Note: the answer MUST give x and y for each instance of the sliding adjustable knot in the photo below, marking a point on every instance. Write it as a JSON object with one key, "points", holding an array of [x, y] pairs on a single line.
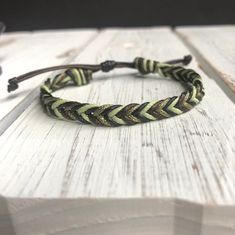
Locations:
{"points": [[108, 65], [146, 66], [74, 76], [77, 77]]}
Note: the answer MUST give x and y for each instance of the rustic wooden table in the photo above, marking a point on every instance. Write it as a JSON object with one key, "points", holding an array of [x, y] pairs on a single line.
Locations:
{"points": [[175, 176]]}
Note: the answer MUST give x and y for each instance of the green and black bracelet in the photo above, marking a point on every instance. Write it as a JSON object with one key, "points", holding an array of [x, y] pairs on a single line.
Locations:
{"points": [[117, 115]]}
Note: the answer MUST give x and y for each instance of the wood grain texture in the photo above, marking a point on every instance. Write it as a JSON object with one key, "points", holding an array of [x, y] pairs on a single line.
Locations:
{"points": [[23, 52], [175, 176], [216, 45]]}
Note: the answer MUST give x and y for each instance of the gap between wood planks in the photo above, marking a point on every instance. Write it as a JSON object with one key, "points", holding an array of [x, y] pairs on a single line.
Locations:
{"points": [[205, 65], [19, 109]]}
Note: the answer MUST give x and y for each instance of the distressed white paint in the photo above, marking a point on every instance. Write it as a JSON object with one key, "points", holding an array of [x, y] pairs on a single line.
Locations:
{"points": [[58, 177], [25, 52], [216, 46]]}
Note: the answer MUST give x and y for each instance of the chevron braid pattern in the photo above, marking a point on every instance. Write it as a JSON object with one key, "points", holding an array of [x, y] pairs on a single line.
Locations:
{"points": [[118, 115]]}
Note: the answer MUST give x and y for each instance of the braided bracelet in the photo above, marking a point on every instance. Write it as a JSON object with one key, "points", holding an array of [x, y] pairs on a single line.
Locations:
{"points": [[116, 115]]}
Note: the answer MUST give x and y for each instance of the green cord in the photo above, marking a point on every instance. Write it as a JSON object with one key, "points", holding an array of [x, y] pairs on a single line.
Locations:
{"points": [[118, 115]]}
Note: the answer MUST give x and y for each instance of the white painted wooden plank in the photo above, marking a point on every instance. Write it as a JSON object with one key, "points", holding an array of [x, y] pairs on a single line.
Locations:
{"points": [[8, 40], [132, 161], [115, 216], [185, 158], [216, 45], [38, 49]]}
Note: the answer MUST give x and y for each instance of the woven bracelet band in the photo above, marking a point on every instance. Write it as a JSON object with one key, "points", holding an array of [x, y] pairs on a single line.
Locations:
{"points": [[117, 115]]}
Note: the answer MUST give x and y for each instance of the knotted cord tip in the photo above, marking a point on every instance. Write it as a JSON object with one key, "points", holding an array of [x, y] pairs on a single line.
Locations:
{"points": [[187, 59], [12, 84]]}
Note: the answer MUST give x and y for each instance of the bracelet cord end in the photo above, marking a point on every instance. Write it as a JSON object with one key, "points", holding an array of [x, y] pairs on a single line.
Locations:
{"points": [[187, 59], [12, 84]]}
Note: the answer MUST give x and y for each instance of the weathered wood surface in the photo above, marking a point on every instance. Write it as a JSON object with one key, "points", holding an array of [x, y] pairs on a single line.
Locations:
{"points": [[216, 46], [63, 178], [23, 52]]}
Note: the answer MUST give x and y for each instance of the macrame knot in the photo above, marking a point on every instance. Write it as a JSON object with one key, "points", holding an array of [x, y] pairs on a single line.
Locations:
{"points": [[146, 66], [108, 65], [78, 77], [73, 76]]}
